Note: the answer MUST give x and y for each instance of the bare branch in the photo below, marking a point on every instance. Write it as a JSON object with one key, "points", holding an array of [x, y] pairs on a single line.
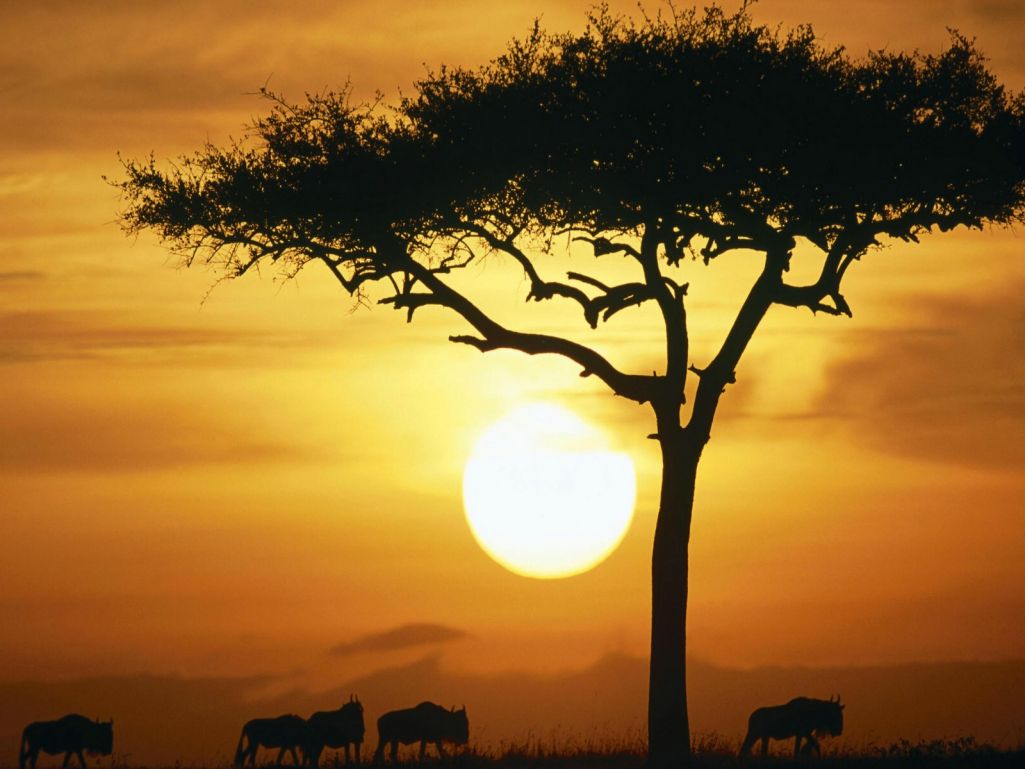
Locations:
{"points": [[712, 379], [493, 336], [603, 246], [540, 289], [670, 299], [846, 248]]}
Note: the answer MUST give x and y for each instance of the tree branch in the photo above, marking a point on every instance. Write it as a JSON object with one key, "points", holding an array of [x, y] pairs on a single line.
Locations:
{"points": [[603, 246], [540, 289], [613, 298], [670, 299], [847, 247], [493, 336], [713, 379]]}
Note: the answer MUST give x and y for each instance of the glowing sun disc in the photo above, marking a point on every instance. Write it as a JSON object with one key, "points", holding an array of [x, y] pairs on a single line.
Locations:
{"points": [[544, 496]]}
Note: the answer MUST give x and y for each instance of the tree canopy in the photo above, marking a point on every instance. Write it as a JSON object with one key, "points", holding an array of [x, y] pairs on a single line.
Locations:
{"points": [[702, 130]]}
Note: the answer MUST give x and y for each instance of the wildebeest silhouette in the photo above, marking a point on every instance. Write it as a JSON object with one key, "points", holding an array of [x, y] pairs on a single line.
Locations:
{"points": [[801, 718], [335, 729], [425, 723], [284, 732], [71, 734]]}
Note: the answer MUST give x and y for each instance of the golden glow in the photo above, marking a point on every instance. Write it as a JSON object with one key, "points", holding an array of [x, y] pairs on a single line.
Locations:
{"points": [[544, 496]]}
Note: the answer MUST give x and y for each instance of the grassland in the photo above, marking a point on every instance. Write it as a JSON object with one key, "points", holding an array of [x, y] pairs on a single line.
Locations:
{"points": [[711, 752]]}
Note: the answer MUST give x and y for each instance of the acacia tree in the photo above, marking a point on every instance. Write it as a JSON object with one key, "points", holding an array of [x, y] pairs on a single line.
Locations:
{"points": [[665, 141]]}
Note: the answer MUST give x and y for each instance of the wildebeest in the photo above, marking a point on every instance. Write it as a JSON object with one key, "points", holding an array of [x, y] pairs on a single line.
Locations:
{"points": [[284, 732], [425, 723], [801, 718], [335, 729], [71, 734]]}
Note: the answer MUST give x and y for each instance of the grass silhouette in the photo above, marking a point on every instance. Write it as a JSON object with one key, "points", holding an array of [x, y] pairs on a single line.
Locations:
{"points": [[710, 751]]}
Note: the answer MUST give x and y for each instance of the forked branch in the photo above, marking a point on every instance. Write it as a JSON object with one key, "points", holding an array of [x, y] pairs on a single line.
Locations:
{"points": [[494, 336]]}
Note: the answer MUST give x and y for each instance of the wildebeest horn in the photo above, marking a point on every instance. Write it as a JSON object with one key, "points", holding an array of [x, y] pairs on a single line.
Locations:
{"points": [[352, 697]]}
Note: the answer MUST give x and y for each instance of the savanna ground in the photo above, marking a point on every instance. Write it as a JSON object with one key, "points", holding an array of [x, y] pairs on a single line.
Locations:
{"points": [[711, 752]]}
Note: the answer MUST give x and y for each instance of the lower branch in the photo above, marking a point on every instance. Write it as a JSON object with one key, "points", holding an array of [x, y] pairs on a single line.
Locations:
{"points": [[494, 336], [630, 386]]}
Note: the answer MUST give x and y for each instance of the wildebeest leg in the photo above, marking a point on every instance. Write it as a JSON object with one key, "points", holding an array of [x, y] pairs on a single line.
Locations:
{"points": [[813, 745], [33, 757], [81, 758], [441, 751], [394, 750], [797, 745], [423, 749], [295, 756], [348, 760], [749, 741], [765, 746], [281, 756], [67, 758], [357, 749]]}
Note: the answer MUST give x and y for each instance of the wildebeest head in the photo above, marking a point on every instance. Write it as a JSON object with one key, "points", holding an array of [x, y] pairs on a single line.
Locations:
{"points": [[459, 726], [101, 738], [832, 718], [354, 715]]}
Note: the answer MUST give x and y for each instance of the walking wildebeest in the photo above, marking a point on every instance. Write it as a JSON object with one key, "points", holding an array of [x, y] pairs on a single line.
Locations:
{"points": [[284, 732], [71, 734], [335, 729], [799, 718], [425, 723]]}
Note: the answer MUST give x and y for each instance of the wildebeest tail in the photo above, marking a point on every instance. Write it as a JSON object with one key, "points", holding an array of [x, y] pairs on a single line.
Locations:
{"points": [[239, 752]]}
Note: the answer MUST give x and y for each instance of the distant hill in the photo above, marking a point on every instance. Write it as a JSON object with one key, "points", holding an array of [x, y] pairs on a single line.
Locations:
{"points": [[161, 719]]}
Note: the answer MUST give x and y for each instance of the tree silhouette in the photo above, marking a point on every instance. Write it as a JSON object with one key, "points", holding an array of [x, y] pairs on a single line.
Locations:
{"points": [[665, 141]]}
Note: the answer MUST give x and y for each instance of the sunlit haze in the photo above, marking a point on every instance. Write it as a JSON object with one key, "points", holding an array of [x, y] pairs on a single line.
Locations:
{"points": [[235, 490]]}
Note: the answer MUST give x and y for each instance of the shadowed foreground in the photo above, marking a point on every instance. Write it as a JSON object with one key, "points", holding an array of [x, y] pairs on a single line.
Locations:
{"points": [[710, 751]]}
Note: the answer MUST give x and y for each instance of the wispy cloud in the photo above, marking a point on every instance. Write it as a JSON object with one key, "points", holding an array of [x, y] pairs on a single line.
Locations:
{"points": [[20, 276], [46, 335], [46, 435], [954, 394], [401, 637]]}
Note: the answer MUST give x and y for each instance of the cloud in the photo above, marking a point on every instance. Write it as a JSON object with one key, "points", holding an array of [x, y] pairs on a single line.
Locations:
{"points": [[46, 335], [997, 11], [15, 278], [50, 434], [952, 391], [401, 637]]}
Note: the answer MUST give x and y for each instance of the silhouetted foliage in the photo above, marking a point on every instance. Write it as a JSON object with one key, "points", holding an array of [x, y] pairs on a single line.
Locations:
{"points": [[683, 136]]}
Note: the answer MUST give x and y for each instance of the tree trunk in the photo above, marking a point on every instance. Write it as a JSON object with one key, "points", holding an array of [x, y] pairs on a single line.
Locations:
{"points": [[668, 723]]}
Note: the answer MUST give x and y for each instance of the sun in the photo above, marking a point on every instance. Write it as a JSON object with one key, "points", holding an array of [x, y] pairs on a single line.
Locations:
{"points": [[544, 496]]}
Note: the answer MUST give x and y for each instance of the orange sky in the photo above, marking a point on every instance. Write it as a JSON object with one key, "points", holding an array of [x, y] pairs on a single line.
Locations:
{"points": [[238, 486]]}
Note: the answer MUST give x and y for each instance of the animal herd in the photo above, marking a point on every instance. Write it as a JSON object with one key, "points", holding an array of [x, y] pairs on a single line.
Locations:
{"points": [[802, 719], [340, 729]]}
